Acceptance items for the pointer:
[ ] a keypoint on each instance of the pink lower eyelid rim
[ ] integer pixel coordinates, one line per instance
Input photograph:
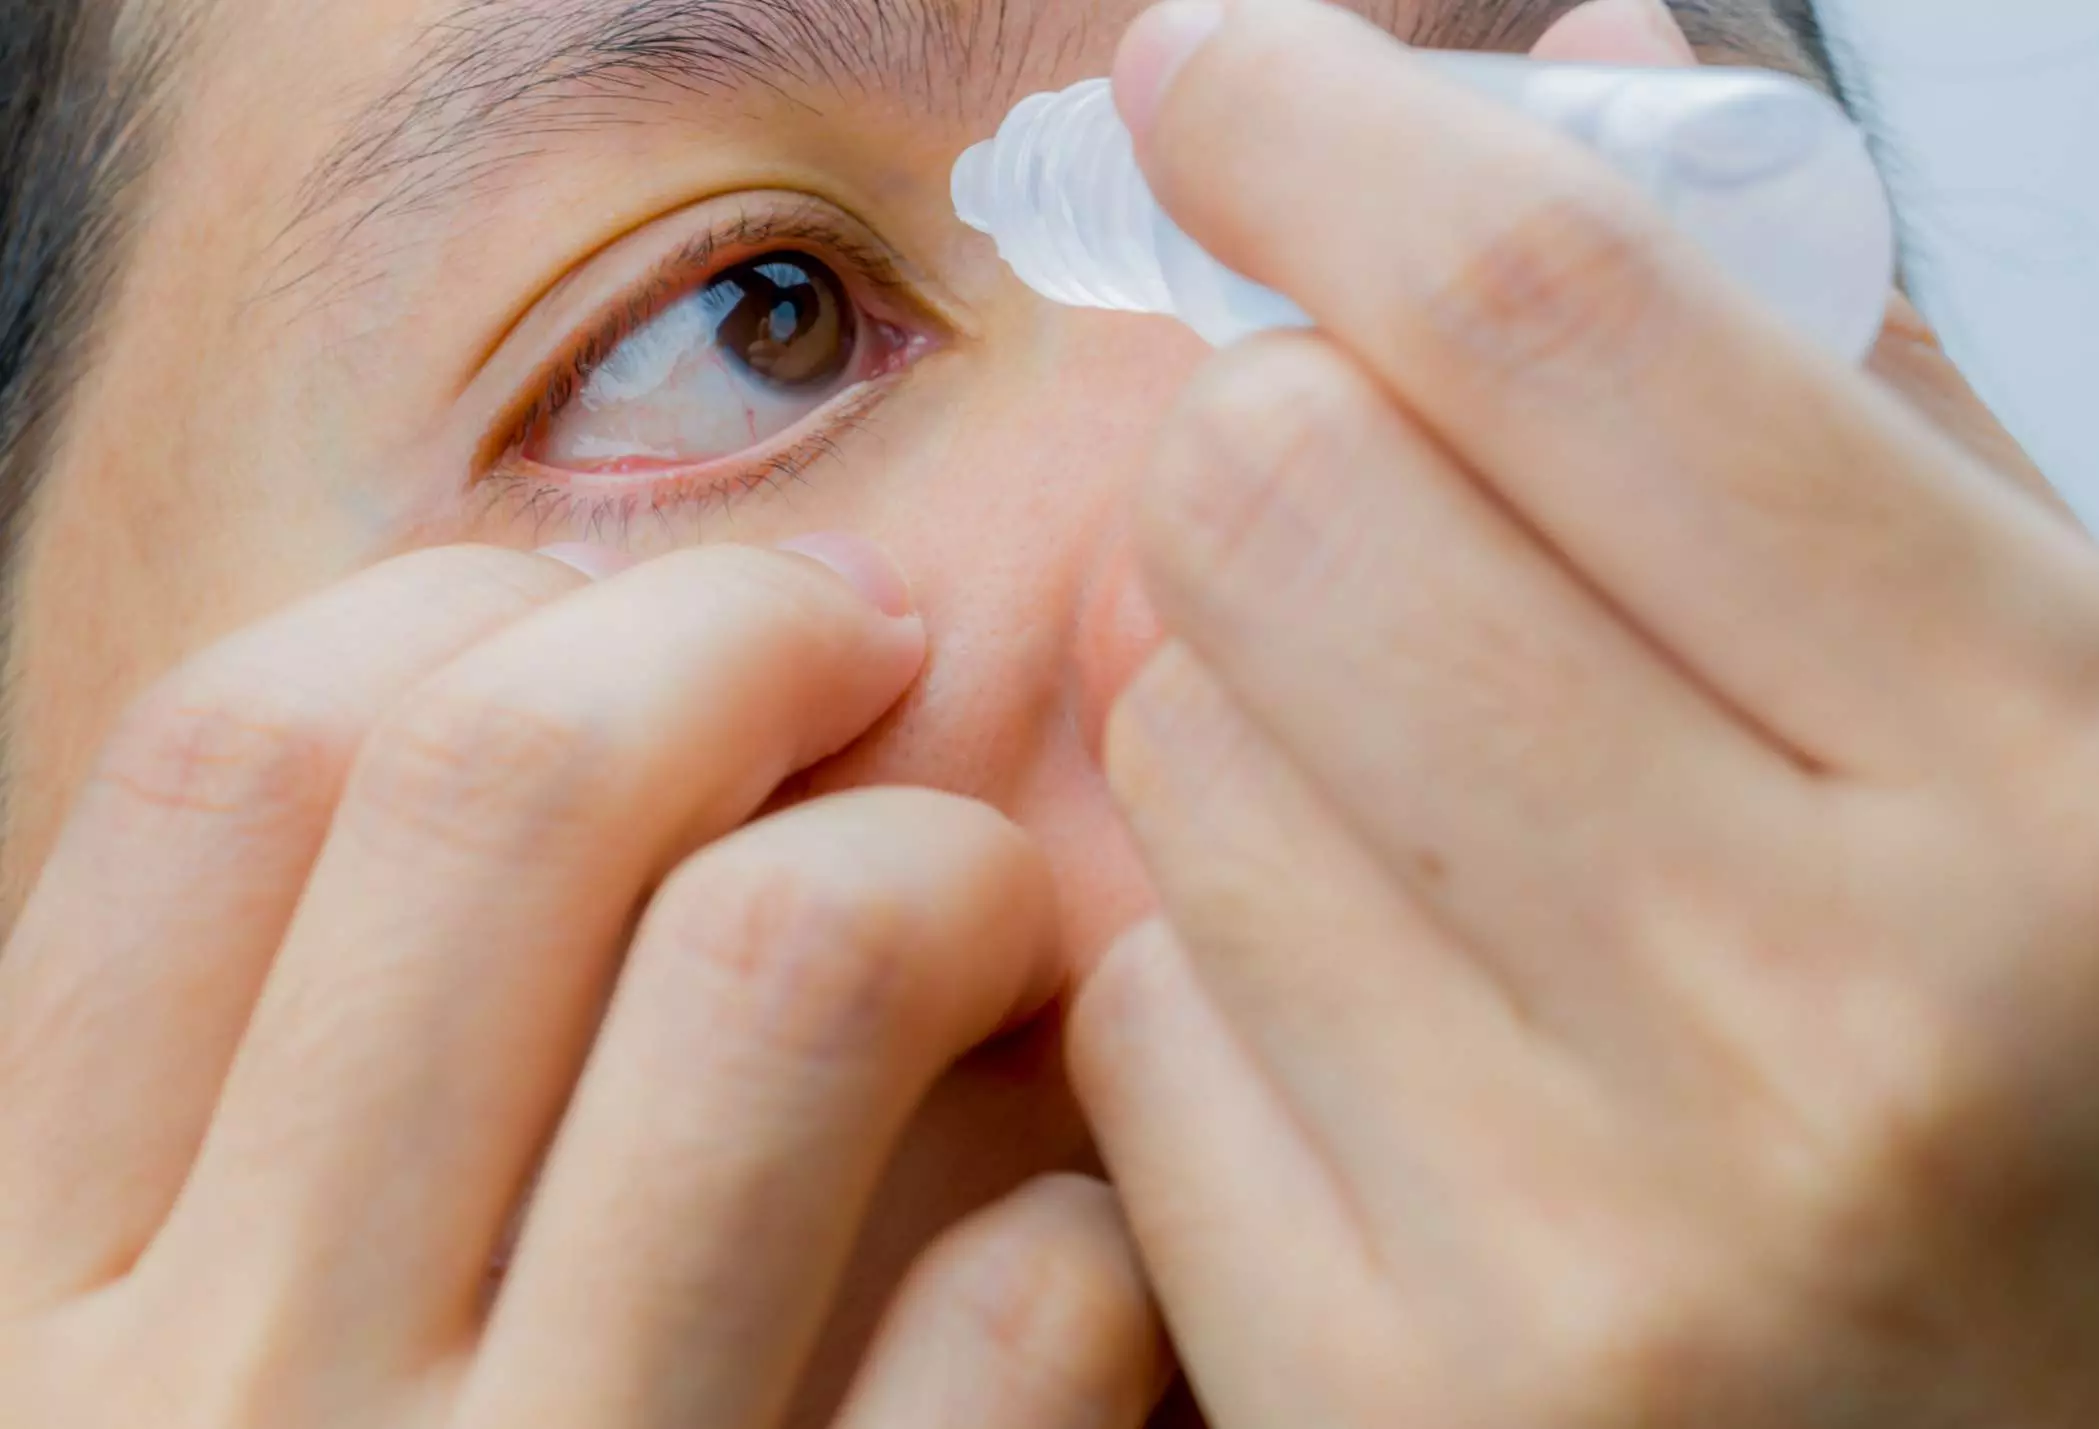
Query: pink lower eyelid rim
(898, 348)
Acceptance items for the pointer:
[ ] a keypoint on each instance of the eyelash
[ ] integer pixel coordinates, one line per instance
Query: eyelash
(520, 489)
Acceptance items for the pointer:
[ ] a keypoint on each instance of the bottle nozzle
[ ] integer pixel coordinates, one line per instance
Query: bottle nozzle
(970, 186)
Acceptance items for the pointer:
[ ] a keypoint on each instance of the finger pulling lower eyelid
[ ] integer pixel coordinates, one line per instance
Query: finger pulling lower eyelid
(589, 558)
(1162, 40)
(860, 564)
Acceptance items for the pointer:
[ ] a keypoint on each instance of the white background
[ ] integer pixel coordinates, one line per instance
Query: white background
(1991, 108)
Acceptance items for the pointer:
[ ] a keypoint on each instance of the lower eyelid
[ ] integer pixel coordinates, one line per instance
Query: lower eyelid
(872, 364)
(603, 507)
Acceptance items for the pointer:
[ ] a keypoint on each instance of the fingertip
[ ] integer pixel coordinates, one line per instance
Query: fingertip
(1114, 1013)
(862, 565)
(1619, 32)
(1161, 41)
(593, 560)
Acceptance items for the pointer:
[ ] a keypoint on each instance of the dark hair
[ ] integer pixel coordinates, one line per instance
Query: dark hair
(75, 114)
(1799, 17)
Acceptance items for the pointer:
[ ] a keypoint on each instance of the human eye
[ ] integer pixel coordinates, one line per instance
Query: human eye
(738, 360)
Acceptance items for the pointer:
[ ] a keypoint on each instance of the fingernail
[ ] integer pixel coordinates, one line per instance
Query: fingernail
(1157, 45)
(594, 561)
(1666, 32)
(1618, 32)
(861, 564)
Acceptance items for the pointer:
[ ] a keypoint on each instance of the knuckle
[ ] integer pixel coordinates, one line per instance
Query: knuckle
(810, 966)
(248, 751)
(1053, 1294)
(1916, 1143)
(1022, 1291)
(477, 771)
(235, 1368)
(1936, 1140)
(1248, 488)
(1637, 1350)
(2037, 828)
(1572, 289)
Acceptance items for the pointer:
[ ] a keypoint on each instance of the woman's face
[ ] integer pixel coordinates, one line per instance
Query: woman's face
(645, 272)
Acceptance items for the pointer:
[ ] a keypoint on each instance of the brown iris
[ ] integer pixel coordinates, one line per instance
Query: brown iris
(787, 319)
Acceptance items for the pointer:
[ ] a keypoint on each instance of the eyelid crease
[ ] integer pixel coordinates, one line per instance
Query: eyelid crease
(828, 216)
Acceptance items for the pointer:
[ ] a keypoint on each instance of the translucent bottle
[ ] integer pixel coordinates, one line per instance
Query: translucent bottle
(1765, 171)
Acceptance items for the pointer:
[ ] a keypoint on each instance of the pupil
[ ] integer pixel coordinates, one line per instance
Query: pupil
(791, 325)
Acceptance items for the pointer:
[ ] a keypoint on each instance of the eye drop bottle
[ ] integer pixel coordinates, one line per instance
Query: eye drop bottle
(1765, 171)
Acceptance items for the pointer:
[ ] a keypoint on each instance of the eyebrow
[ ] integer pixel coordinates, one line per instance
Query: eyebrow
(493, 81)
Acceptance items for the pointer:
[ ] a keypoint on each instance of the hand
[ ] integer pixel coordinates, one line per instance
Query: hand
(1624, 790)
(370, 906)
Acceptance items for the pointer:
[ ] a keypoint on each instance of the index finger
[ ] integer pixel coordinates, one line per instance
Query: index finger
(441, 980)
(1838, 568)
(792, 994)
(138, 958)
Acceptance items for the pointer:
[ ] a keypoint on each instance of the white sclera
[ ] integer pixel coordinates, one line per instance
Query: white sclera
(1764, 171)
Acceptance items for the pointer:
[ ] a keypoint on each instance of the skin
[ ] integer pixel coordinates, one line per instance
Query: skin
(285, 1032)
(1761, 1103)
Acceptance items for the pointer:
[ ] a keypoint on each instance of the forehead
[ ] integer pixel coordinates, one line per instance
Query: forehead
(370, 148)
(395, 102)
(464, 85)
(332, 147)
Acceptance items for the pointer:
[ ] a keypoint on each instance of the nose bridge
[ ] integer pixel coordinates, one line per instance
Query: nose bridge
(1125, 373)
(1017, 530)
(1115, 632)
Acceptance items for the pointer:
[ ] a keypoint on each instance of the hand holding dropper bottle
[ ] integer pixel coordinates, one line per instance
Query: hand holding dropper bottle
(1764, 171)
